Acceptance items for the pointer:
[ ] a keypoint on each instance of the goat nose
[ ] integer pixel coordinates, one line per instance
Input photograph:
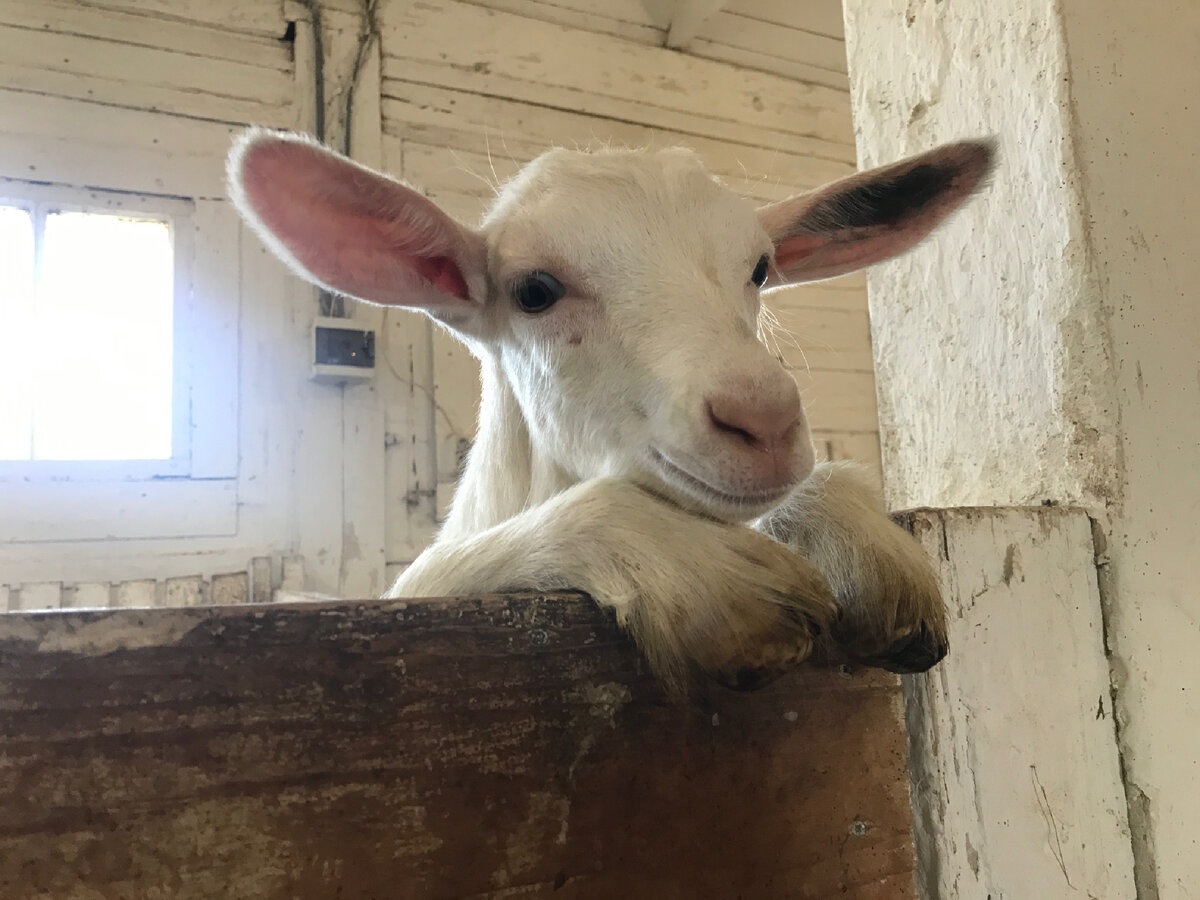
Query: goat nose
(768, 424)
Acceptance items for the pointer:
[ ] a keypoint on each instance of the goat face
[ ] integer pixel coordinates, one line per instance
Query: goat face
(623, 306)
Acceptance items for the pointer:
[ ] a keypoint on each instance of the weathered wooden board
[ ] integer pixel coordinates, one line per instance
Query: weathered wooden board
(1014, 755)
(478, 747)
(459, 46)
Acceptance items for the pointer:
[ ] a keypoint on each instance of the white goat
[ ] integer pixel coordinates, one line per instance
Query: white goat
(631, 419)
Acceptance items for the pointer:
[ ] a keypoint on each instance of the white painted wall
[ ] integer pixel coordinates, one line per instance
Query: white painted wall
(1046, 346)
(144, 97)
(1135, 91)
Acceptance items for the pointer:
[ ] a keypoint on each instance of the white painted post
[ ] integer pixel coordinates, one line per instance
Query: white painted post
(1016, 778)
(1043, 346)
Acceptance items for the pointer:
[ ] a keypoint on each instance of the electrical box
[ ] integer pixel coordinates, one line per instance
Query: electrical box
(343, 351)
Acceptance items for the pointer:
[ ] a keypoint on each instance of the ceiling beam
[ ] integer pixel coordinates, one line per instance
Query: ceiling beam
(687, 20)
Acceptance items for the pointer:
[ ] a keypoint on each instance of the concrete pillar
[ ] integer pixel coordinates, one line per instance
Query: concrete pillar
(1047, 346)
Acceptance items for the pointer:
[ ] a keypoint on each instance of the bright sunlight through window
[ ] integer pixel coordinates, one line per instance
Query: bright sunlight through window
(86, 316)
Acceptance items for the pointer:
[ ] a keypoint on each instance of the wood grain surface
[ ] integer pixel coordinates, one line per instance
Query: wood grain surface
(476, 747)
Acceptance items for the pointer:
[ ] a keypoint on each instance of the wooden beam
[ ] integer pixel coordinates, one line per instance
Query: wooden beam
(1012, 742)
(486, 746)
(687, 20)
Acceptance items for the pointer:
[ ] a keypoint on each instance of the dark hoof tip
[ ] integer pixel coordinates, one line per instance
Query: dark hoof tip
(913, 653)
(747, 678)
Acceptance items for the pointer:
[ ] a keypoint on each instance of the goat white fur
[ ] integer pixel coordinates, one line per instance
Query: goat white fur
(632, 421)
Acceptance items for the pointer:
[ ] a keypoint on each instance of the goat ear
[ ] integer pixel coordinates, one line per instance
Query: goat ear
(871, 216)
(353, 230)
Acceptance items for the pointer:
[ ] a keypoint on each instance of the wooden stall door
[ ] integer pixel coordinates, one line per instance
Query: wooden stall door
(476, 747)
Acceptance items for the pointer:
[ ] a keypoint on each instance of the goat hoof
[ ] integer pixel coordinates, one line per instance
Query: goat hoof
(747, 678)
(917, 652)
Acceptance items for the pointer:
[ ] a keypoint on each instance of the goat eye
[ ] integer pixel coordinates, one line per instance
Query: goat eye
(759, 275)
(537, 292)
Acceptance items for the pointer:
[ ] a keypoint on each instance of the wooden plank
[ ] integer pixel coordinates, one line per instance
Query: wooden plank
(185, 591)
(77, 142)
(231, 589)
(261, 17)
(847, 292)
(731, 28)
(136, 594)
(104, 562)
(821, 338)
(91, 595)
(456, 395)
(476, 747)
(501, 129)
(860, 446)
(838, 401)
(65, 511)
(406, 376)
(212, 340)
(1020, 788)
(292, 574)
(411, 457)
(818, 16)
(688, 18)
(260, 579)
(793, 53)
(144, 78)
(71, 17)
(454, 45)
(300, 486)
(39, 595)
(643, 21)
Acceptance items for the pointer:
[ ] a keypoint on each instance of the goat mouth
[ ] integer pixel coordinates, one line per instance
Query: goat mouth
(695, 485)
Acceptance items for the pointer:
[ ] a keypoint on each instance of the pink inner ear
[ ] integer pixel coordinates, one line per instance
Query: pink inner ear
(441, 272)
(792, 250)
(812, 257)
(354, 230)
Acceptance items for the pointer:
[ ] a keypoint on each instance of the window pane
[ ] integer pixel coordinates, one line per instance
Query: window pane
(16, 308)
(103, 372)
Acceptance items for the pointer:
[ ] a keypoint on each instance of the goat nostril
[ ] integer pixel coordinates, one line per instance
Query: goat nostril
(726, 427)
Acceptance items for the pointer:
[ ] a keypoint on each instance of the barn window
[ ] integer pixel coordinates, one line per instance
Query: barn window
(111, 302)
(91, 291)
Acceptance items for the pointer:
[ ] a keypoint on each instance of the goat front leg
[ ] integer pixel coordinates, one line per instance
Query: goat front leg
(891, 612)
(695, 593)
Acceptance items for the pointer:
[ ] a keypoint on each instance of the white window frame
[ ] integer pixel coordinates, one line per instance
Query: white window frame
(39, 200)
(194, 492)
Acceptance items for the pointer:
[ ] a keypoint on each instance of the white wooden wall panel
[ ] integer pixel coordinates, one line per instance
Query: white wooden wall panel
(70, 141)
(41, 512)
(502, 128)
(137, 25)
(43, 595)
(131, 75)
(732, 37)
(641, 21)
(130, 594)
(455, 45)
(88, 596)
(255, 582)
(1017, 783)
(213, 325)
(256, 17)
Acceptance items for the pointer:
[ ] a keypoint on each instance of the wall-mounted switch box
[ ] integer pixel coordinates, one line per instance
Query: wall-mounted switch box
(343, 351)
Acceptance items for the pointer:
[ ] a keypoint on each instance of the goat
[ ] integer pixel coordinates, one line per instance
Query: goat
(632, 422)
